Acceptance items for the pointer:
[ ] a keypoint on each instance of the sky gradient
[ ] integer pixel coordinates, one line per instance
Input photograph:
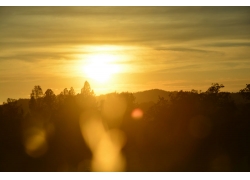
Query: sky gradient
(169, 48)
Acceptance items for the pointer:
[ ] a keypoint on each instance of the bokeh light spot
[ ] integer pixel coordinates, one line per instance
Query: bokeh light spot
(36, 143)
(105, 144)
(137, 114)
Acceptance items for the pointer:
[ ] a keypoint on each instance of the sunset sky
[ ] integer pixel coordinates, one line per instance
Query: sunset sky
(123, 48)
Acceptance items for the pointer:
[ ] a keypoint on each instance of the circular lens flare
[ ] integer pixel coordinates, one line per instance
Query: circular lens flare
(137, 114)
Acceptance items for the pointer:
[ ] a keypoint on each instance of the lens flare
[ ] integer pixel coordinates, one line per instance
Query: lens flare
(105, 144)
(137, 114)
(113, 110)
(107, 156)
(35, 142)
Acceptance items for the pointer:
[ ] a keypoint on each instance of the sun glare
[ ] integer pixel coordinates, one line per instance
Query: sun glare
(100, 67)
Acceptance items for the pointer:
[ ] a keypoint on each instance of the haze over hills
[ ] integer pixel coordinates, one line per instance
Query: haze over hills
(151, 100)
(154, 94)
(178, 132)
(151, 95)
(145, 99)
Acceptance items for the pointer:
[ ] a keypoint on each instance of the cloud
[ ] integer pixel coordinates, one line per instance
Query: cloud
(228, 44)
(181, 49)
(140, 25)
(32, 56)
(186, 43)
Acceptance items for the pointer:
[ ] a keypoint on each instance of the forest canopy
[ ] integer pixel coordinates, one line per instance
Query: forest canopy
(181, 131)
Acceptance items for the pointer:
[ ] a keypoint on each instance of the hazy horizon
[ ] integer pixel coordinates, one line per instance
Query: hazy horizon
(123, 48)
(175, 82)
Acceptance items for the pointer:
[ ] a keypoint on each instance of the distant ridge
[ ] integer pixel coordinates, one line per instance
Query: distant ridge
(145, 98)
(151, 95)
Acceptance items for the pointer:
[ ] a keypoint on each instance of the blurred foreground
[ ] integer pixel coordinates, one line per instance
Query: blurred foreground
(188, 131)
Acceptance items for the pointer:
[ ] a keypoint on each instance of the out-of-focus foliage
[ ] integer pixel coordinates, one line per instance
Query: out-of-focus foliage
(201, 131)
(186, 131)
(11, 154)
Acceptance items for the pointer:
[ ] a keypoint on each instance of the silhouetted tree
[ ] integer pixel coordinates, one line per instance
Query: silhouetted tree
(216, 99)
(35, 98)
(215, 88)
(86, 90)
(87, 97)
(72, 91)
(245, 92)
(37, 92)
(65, 91)
(189, 131)
(49, 97)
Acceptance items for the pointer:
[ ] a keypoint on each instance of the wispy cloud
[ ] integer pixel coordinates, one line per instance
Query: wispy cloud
(186, 50)
(168, 43)
(228, 44)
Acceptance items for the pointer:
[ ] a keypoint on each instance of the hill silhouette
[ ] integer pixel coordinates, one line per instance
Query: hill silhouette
(153, 130)
(147, 98)
(151, 95)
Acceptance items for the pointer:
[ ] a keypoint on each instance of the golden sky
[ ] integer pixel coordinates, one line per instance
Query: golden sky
(123, 48)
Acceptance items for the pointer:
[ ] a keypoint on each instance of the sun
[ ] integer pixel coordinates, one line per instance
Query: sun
(101, 67)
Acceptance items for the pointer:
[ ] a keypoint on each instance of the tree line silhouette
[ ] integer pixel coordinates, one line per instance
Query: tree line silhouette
(189, 131)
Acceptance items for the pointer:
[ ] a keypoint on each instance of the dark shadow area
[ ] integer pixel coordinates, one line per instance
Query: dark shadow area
(181, 131)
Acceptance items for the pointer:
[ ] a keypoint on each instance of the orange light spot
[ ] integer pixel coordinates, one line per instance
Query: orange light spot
(137, 114)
